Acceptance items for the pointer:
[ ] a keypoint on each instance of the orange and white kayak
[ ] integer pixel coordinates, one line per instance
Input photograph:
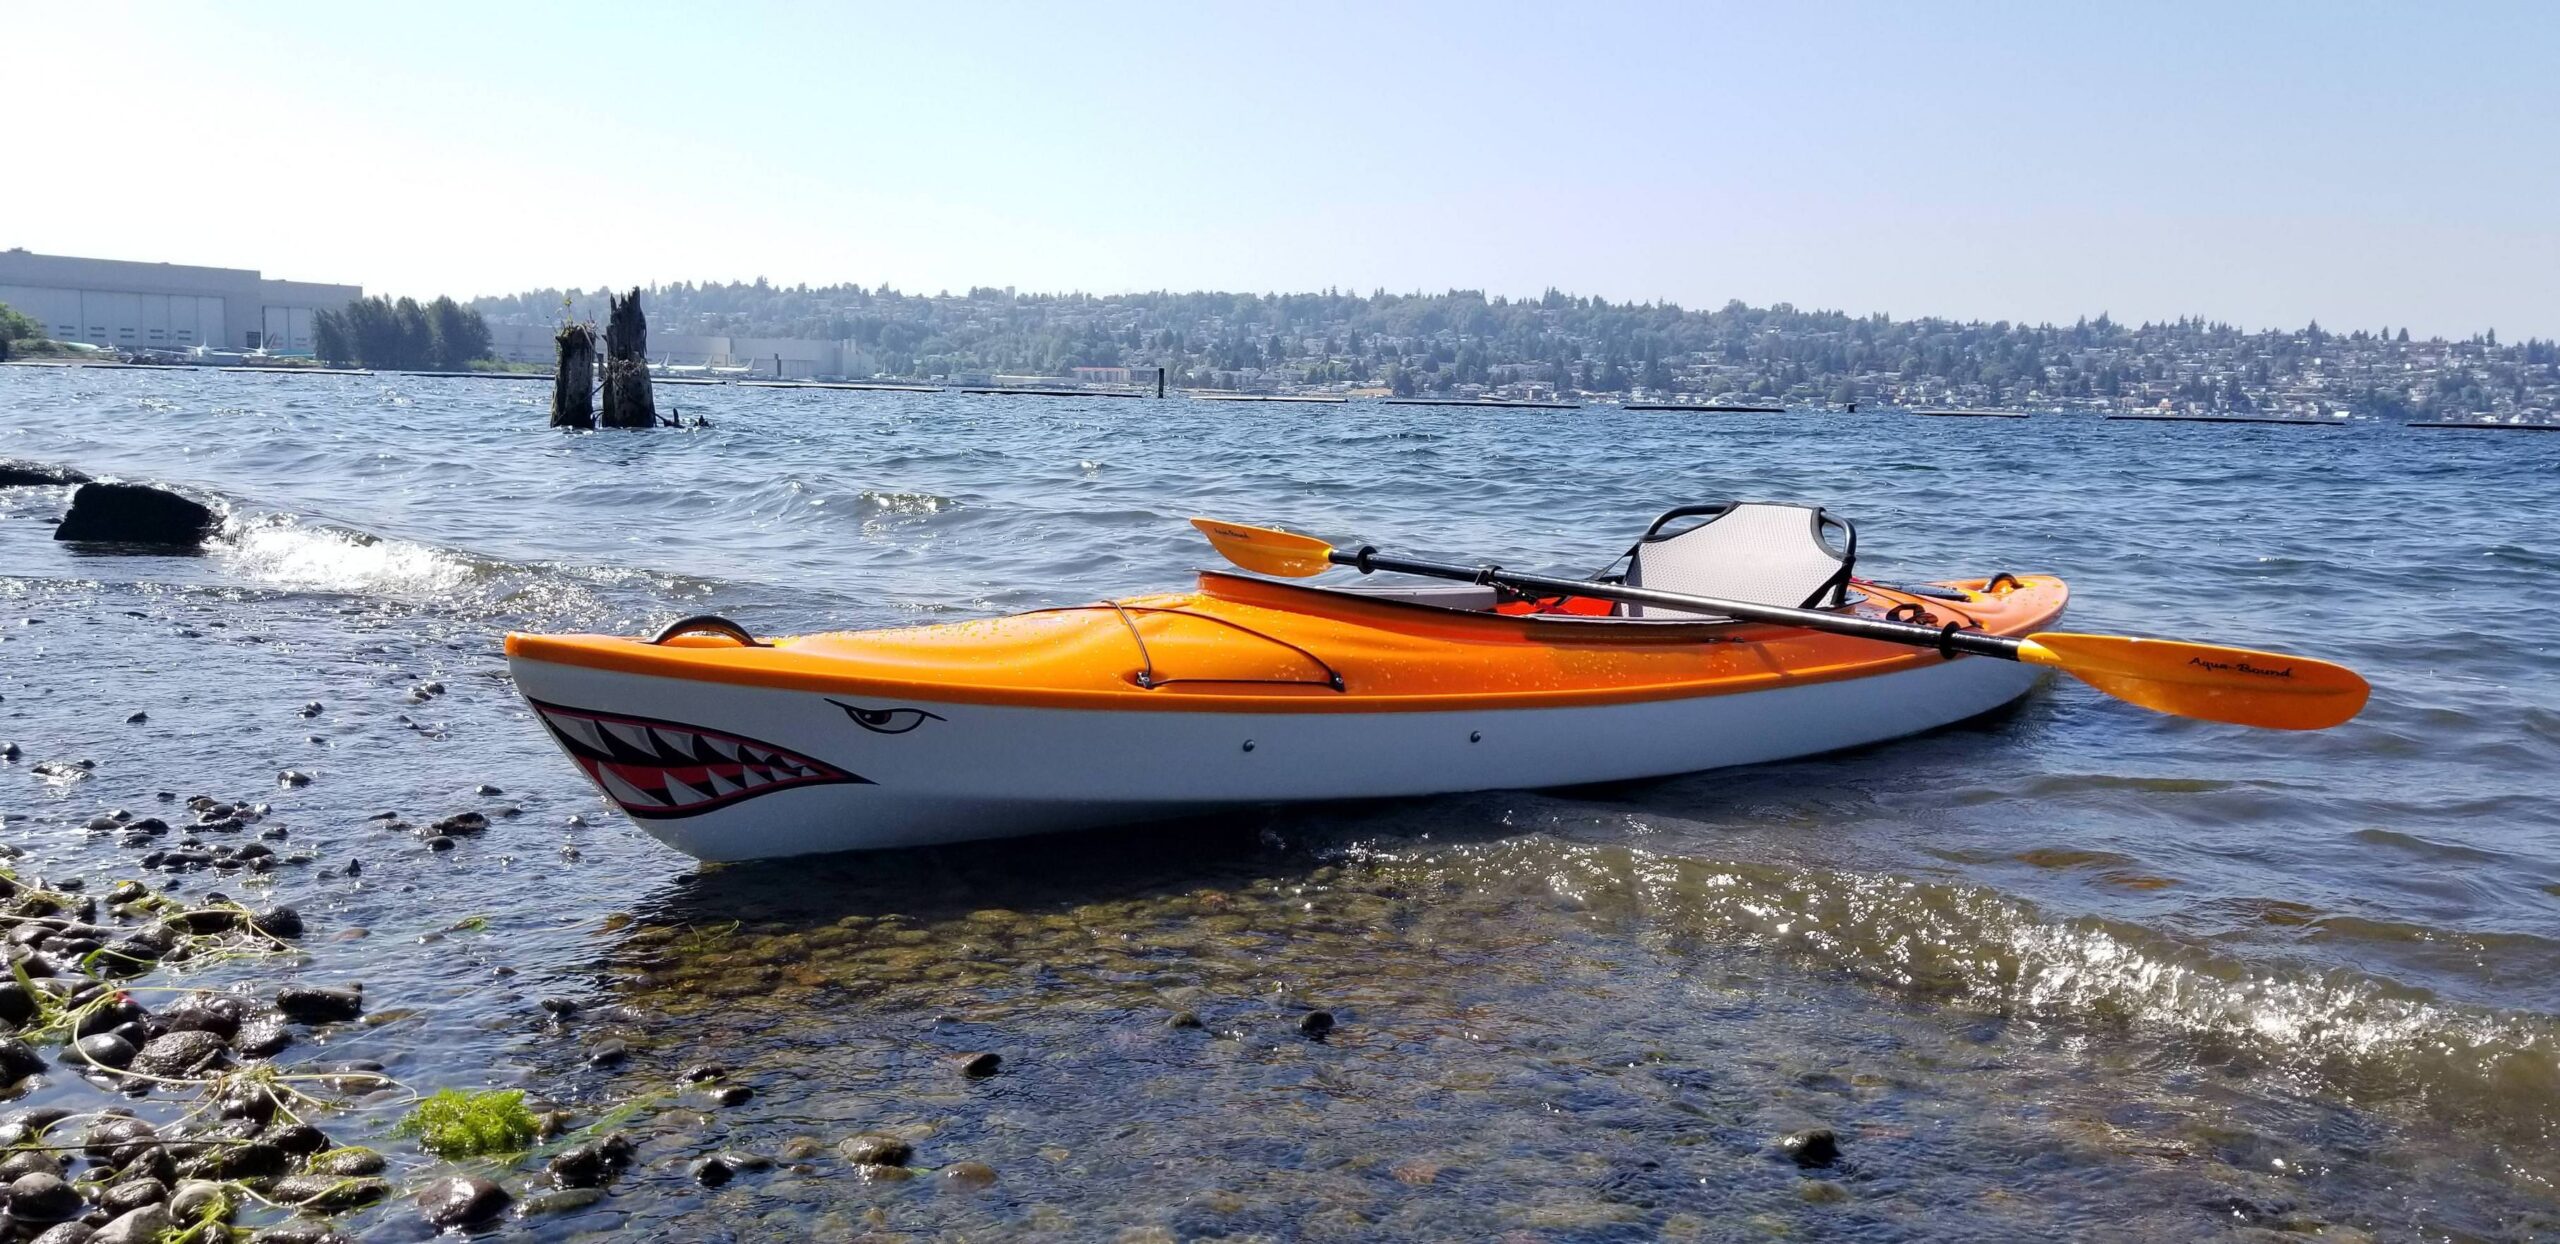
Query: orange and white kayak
(1245, 691)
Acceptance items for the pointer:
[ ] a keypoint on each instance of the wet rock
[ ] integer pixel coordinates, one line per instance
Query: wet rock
(278, 922)
(64, 1233)
(1811, 1148)
(1821, 1192)
(608, 1054)
(582, 1166)
(701, 1072)
(18, 1060)
(299, 1231)
(29, 1162)
(980, 1066)
(486, 789)
(316, 1004)
(731, 1095)
(129, 1195)
(300, 1140)
(194, 1198)
(218, 1013)
(21, 473)
(713, 1171)
(114, 1132)
(102, 1049)
(439, 842)
(1316, 1023)
(262, 1036)
(875, 1150)
(562, 1007)
(464, 823)
(17, 1006)
(142, 1226)
(802, 1148)
(42, 1196)
(134, 514)
(328, 1194)
(455, 1202)
(178, 1055)
(348, 1162)
(1184, 1019)
(293, 777)
(968, 1175)
(561, 1200)
(136, 718)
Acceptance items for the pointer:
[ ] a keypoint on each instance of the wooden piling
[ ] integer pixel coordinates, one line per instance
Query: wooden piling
(628, 402)
(573, 385)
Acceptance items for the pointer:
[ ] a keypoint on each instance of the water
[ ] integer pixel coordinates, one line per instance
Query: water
(2074, 970)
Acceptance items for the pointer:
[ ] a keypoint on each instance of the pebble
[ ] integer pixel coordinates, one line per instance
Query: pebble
(608, 1054)
(713, 1171)
(732, 1095)
(439, 842)
(875, 1150)
(980, 1066)
(1316, 1023)
(42, 1196)
(104, 1049)
(561, 1200)
(968, 1175)
(142, 1226)
(486, 789)
(313, 1004)
(1184, 1019)
(700, 1072)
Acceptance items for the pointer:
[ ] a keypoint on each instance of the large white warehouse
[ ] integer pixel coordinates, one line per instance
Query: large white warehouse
(165, 306)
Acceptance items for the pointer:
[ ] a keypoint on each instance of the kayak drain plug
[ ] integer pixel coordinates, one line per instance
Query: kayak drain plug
(1475, 736)
(1248, 745)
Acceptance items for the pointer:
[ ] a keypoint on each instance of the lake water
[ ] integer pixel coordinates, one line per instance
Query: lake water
(2075, 970)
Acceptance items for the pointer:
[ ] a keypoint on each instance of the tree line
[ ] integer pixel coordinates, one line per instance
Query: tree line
(402, 335)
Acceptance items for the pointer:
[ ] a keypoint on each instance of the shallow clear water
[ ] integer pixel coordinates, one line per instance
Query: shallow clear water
(2076, 969)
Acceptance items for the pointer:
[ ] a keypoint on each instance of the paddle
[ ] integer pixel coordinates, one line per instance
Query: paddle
(2204, 681)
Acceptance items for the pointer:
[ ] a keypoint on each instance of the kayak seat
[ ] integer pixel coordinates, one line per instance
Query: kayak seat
(1762, 552)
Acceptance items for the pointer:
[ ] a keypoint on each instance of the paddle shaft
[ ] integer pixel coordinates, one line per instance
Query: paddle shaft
(1949, 639)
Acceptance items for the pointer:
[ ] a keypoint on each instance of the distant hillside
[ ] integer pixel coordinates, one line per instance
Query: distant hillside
(1464, 342)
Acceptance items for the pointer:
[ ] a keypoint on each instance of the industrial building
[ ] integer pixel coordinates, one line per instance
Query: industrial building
(161, 306)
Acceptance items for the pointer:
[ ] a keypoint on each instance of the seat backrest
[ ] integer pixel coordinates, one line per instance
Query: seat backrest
(1764, 553)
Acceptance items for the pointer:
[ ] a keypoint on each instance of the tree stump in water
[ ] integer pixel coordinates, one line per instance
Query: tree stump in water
(573, 386)
(628, 402)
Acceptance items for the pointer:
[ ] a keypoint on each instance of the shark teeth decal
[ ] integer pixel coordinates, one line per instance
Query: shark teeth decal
(667, 769)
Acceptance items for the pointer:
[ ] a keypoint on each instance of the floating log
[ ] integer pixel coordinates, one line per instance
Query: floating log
(2488, 427)
(628, 402)
(2282, 419)
(573, 385)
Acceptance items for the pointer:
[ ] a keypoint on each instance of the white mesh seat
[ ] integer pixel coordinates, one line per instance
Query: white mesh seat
(1764, 553)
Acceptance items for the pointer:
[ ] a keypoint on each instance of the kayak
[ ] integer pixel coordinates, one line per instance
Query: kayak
(1244, 691)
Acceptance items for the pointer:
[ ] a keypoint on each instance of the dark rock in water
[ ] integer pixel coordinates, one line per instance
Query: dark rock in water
(114, 1132)
(263, 1036)
(1316, 1023)
(968, 1174)
(64, 1233)
(608, 1054)
(731, 1095)
(104, 1049)
(1184, 1019)
(280, 922)
(456, 1202)
(293, 777)
(136, 718)
(311, 709)
(29, 1162)
(218, 1013)
(18, 1060)
(486, 789)
(195, 1196)
(701, 1072)
(461, 823)
(142, 1226)
(439, 842)
(17, 1006)
(126, 1196)
(875, 1150)
(558, 1201)
(713, 1171)
(563, 1007)
(20, 473)
(344, 1163)
(580, 1166)
(314, 1004)
(980, 1066)
(179, 1054)
(299, 1231)
(135, 514)
(43, 1197)
(302, 1140)
(328, 1194)
(1811, 1148)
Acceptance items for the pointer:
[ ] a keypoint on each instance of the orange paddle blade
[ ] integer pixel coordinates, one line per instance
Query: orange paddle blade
(2236, 685)
(1267, 550)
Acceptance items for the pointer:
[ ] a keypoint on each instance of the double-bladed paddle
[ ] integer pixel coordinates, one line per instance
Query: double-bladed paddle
(2204, 681)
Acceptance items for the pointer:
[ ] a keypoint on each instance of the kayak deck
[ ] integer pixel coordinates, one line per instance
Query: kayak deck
(1240, 643)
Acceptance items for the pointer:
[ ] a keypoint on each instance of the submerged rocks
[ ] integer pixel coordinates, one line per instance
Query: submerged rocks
(875, 1150)
(41, 1196)
(135, 514)
(980, 1066)
(1811, 1148)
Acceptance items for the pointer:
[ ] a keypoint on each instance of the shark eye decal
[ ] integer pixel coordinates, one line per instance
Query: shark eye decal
(886, 720)
(666, 769)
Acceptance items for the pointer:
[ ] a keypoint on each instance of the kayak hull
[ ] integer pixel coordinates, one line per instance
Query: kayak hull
(735, 770)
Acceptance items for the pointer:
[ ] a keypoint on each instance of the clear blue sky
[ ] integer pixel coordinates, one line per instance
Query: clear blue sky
(2261, 163)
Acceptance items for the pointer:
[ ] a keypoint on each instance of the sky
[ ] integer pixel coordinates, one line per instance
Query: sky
(2267, 164)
